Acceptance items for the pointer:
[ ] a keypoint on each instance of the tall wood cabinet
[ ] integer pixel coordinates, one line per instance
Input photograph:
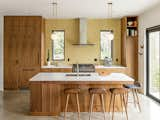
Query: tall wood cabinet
(129, 45)
(22, 49)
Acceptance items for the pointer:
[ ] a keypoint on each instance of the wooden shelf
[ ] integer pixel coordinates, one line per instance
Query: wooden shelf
(132, 37)
(131, 26)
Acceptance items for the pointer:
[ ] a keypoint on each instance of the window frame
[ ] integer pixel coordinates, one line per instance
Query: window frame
(111, 46)
(53, 46)
(149, 30)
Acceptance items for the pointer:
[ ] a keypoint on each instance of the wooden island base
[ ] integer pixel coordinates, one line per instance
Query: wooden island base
(48, 98)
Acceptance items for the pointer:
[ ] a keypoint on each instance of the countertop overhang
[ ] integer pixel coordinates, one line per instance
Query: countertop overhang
(95, 77)
(70, 66)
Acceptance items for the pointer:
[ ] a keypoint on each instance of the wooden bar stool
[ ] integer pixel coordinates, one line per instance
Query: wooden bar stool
(134, 89)
(70, 91)
(122, 92)
(101, 92)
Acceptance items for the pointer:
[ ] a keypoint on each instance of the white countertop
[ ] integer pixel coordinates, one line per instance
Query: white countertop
(112, 66)
(54, 66)
(96, 66)
(94, 77)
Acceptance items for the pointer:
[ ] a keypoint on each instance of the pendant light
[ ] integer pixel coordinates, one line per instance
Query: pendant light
(111, 36)
(109, 5)
(109, 13)
(54, 4)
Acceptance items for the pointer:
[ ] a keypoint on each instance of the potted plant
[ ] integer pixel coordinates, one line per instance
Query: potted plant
(48, 58)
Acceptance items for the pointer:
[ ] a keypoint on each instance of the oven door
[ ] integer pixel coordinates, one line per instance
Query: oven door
(83, 68)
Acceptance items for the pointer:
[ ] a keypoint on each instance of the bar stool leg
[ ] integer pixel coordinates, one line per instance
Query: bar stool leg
(66, 106)
(121, 102)
(133, 92)
(124, 102)
(77, 98)
(113, 107)
(91, 106)
(137, 100)
(126, 99)
(103, 107)
(110, 103)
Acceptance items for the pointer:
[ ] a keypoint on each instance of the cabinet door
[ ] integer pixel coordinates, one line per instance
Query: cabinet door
(30, 49)
(51, 98)
(11, 66)
(132, 61)
(31, 44)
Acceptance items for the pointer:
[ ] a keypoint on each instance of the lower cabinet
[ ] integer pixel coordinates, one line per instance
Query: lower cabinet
(48, 98)
(107, 71)
(51, 98)
(26, 74)
(56, 70)
(45, 99)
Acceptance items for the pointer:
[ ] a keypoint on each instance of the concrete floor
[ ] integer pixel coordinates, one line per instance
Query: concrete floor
(14, 105)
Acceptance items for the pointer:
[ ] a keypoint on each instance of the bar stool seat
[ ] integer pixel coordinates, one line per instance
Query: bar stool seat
(97, 90)
(101, 92)
(118, 91)
(70, 91)
(134, 88)
(122, 92)
(136, 85)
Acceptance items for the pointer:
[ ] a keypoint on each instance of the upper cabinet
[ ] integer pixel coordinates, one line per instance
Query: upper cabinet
(129, 45)
(22, 49)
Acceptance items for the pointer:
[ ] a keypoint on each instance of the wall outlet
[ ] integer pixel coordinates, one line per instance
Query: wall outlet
(95, 59)
(116, 59)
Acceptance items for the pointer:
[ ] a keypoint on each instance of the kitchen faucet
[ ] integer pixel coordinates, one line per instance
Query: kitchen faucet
(77, 69)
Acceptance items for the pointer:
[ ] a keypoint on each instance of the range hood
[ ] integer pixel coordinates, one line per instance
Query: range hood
(83, 33)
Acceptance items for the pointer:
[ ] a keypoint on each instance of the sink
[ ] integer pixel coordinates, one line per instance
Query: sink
(80, 74)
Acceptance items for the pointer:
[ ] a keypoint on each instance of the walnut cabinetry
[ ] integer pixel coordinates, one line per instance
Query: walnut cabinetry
(48, 98)
(22, 49)
(107, 71)
(56, 70)
(129, 45)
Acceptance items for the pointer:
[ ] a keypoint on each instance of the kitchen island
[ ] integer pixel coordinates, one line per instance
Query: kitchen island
(47, 91)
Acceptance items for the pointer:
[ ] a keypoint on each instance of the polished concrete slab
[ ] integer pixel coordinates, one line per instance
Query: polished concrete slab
(14, 105)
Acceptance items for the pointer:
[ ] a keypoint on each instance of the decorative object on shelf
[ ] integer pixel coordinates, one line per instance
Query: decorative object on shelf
(135, 23)
(48, 58)
(141, 49)
(132, 32)
(109, 5)
(135, 33)
(130, 23)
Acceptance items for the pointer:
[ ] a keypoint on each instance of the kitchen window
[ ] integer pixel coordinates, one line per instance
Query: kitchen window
(58, 37)
(106, 42)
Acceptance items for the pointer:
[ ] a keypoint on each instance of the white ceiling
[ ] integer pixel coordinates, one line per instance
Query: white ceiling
(75, 8)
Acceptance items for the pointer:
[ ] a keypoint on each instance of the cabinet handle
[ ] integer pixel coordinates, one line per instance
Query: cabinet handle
(28, 69)
(38, 58)
(17, 61)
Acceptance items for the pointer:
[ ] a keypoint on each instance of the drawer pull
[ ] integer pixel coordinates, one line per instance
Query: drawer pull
(28, 69)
